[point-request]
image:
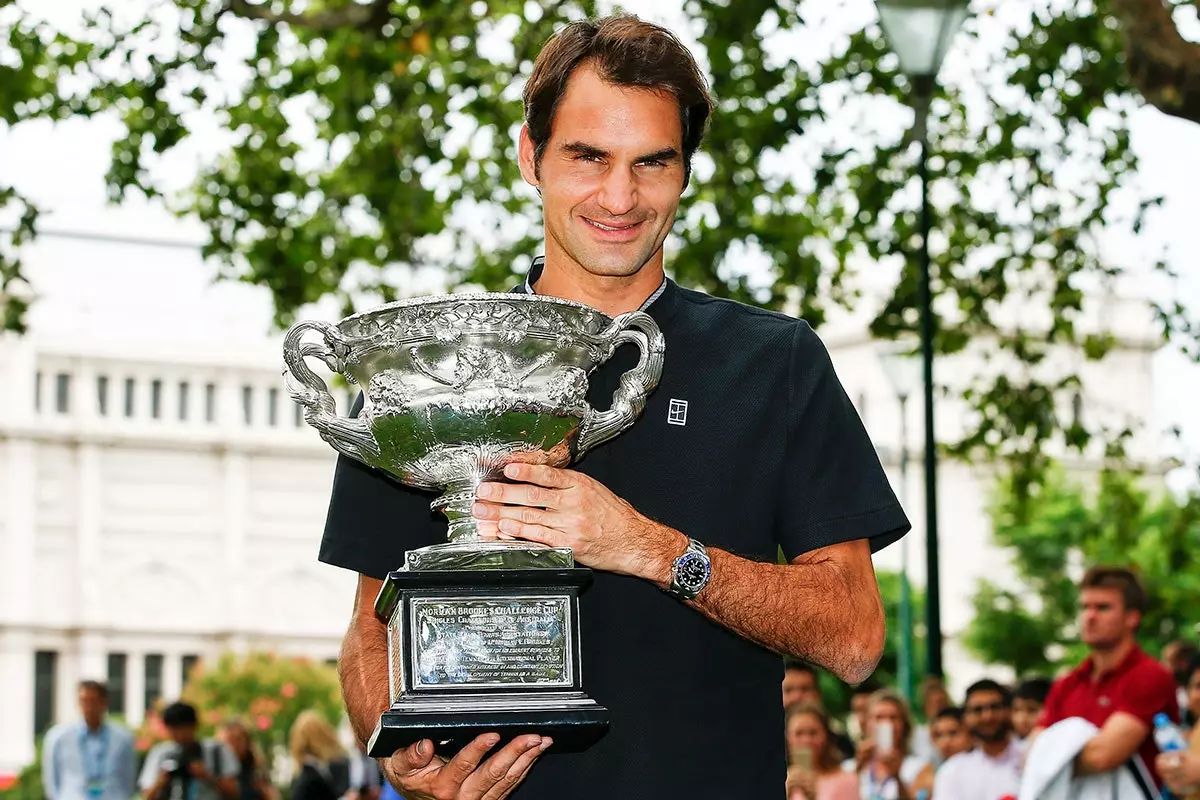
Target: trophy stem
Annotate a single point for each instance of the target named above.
(456, 504)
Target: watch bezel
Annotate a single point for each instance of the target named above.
(682, 582)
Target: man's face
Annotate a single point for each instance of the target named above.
(949, 736)
(1025, 714)
(858, 707)
(182, 734)
(799, 686)
(610, 176)
(1104, 623)
(987, 716)
(92, 706)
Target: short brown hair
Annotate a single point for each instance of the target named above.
(624, 51)
(99, 688)
(1121, 578)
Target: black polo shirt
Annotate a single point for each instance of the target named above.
(748, 444)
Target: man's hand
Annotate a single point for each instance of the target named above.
(1181, 771)
(565, 508)
(420, 775)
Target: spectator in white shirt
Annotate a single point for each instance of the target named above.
(950, 737)
(993, 769)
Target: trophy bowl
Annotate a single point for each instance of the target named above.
(482, 635)
(457, 386)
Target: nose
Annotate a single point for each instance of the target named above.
(618, 193)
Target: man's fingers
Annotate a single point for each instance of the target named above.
(521, 767)
(542, 475)
(519, 494)
(504, 770)
(414, 757)
(489, 512)
(465, 761)
(511, 529)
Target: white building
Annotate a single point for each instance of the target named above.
(161, 502)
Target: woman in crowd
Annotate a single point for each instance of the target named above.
(950, 737)
(323, 768)
(254, 779)
(1181, 771)
(815, 772)
(886, 767)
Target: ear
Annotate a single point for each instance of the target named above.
(526, 153)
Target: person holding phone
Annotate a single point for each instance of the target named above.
(815, 771)
(886, 767)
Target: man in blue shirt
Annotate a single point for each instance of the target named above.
(92, 759)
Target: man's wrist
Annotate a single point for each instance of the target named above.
(656, 565)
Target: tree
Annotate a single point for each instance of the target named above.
(363, 134)
(1055, 531)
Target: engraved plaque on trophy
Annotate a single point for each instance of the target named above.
(483, 636)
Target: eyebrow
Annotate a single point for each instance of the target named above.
(582, 149)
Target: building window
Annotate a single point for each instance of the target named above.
(183, 401)
(117, 665)
(189, 663)
(248, 404)
(273, 407)
(210, 402)
(130, 387)
(156, 398)
(45, 679)
(37, 391)
(62, 393)
(154, 679)
(102, 395)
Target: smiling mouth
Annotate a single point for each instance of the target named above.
(611, 228)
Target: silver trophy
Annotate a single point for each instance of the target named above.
(482, 635)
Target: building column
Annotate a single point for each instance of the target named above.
(18, 504)
(172, 676)
(16, 698)
(135, 687)
(88, 560)
(235, 472)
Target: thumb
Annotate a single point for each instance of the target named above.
(419, 754)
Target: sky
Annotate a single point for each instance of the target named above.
(108, 295)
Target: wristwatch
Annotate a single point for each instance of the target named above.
(690, 572)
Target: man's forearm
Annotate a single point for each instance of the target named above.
(816, 608)
(363, 671)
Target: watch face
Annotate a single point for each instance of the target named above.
(692, 573)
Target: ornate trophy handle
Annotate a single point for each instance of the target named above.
(637, 328)
(349, 436)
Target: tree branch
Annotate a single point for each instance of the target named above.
(1163, 65)
(352, 16)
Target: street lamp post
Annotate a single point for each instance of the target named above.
(920, 33)
(904, 373)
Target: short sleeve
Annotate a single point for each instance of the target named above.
(1148, 693)
(373, 519)
(151, 768)
(835, 489)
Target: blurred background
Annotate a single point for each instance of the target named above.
(181, 179)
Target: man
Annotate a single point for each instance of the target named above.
(860, 701)
(1117, 687)
(92, 759)
(950, 737)
(993, 769)
(800, 684)
(186, 768)
(763, 451)
(1028, 700)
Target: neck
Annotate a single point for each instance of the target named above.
(1105, 661)
(94, 725)
(995, 749)
(562, 277)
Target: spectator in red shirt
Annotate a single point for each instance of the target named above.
(1118, 687)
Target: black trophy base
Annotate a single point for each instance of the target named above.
(477, 651)
(573, 729)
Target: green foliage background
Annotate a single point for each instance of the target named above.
(1059, 529)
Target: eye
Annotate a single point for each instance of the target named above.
(588, 158)
(654, 163)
